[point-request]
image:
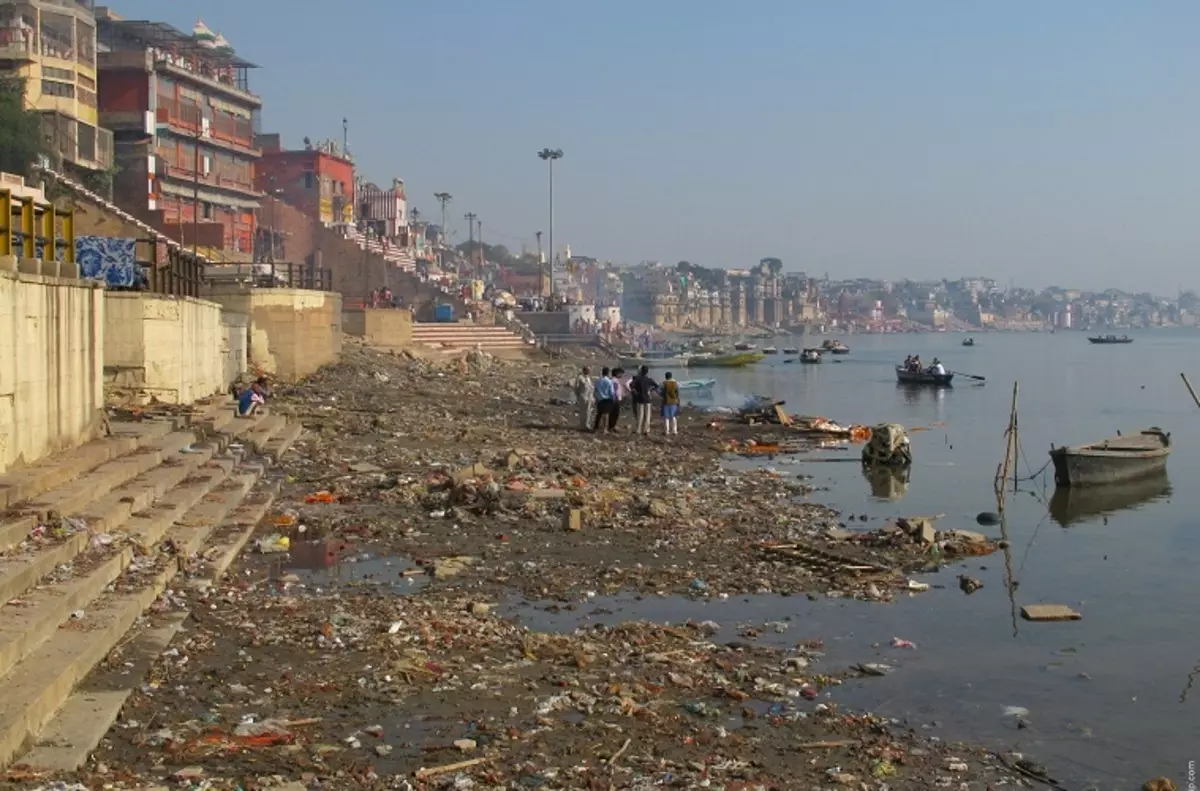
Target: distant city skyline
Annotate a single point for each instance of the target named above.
(1050, 143)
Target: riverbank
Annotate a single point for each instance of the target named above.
(366, 637)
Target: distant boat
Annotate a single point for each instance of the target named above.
(770, 350)
(1111, 339)
(1112, 460)
(968, 341)
(835, 347)
(905, 376)
(656, 360)
(724, 360)
(791, 350)
(810, 356)
(697, 385)
(744, 347)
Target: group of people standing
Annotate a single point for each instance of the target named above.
(600, 400)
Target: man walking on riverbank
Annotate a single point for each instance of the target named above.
(585, 398)
(670, 405)
(642, 387)
(605, 392)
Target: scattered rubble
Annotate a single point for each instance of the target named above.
(470, 471)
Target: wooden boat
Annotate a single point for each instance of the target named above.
(770, 350)
(1112, 460)
(1110, 339)
(810, 356)
(835, 347)
(907, 377)
(968, 341)
(697, 385)
(655, 360)
(736, 360)
(1074, 505)
(744, 347)
(791, 350)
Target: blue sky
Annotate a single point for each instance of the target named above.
(1047, 142)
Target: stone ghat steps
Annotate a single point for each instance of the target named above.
(134, 520)
(466, 336)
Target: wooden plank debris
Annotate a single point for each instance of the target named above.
(1049, 612)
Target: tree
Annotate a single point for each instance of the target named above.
(771, 266)
(20, 130)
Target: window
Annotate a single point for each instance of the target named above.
(309, 179)
(207, 213)
(51, 73)
(63, 89)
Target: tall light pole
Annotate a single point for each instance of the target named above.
(549, 155)
(443, 198)
(470, 218)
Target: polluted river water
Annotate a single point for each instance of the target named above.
(1106, 701)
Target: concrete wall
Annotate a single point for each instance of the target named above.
(355, 272)
(384, 327)
(292, 331)
(51, 364)
(544, 323)
(170, 348)
(235, 344)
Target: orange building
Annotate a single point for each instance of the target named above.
(318, 179)
(182, 117)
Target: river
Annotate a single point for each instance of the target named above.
(1107, 698)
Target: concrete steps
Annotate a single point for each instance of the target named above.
(466, 336)
(136, 520)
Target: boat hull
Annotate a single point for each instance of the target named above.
(839, 351)
(726, 361)
(1110, 341)
(1112, 461)
(921, 378)
(633, 363)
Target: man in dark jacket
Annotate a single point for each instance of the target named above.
(641, 389)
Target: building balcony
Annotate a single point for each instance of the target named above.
(187, 175)
(76, 142)
(235, 87)
(14, 47)
(186, 120)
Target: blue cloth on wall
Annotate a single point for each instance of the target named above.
(111, 260)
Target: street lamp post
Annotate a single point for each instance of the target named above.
(443, 198)
(549, 155)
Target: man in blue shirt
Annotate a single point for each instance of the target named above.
(606, 392)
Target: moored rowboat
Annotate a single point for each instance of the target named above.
(1119, 458)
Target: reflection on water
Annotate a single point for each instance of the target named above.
(1104, 692)
(336, 565)
(887, 482)
(1075, 505)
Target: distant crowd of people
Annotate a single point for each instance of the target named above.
(384, 298)
(913, 364)
(600, 400)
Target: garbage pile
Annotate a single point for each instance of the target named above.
(364, 640)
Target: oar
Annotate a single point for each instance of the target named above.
(969, 376)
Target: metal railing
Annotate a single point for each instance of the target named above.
(273, 275)
(181, 275)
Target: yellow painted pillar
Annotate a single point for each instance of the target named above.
(28, 242)
(68, 235)
(6, 228)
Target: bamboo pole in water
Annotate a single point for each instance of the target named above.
(1189, 387)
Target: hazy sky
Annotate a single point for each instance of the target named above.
(1050, 142)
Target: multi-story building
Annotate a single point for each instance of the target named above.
(183, 117)
(51, 46)
(318, 179)
(384, 211)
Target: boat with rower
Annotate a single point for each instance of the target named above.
(968, 342)
(811, 357)
(906, 377)
(834, 346)
(1125, 457)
